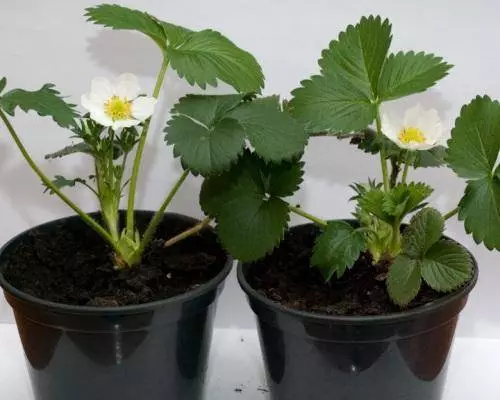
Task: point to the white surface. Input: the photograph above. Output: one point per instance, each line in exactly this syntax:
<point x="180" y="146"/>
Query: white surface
<point x="47" y="41"/>
<point x="236" y="365"/>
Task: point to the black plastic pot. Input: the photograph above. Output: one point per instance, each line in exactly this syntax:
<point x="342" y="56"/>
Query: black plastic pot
<point x="156" y="351"/>
<point x="402" y="356"/>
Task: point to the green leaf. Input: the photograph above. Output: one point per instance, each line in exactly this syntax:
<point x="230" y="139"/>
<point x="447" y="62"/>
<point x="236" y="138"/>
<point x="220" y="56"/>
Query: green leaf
<point x="434" y="157"/>
<point x="202" y="134"/>
<point x="408" y="73"/>
<point x="3" y="83"/>
<point x="372" y="202"/>
<point x="118" y="17"/>
<point x="405" y="198"/>
<point x="342" y="98"/>
<point x="61" y="182"/>
<point x="206" y="56"/>
<point x="81" y="147"/>
<point x="446" y="266"/>
<point x="175" y="34"/>
<point x="392" y="206"/>
<point x="472" y="153"/>
<point x="404" y="280"/>
<point x="274" y="135"/>
<point x="475" y="139"/>
<point x="479" y="208"/>
<point x="337" y="249"/>
<point x="46" y="102"/>
<point x="425" y="229"/>
<point x="247" y="205"/>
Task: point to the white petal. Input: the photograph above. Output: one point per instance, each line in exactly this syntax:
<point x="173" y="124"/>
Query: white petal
<point x="101" y="89"/>
<point x="143" y="107"/>
<point x="89" y="103"/>
<point x="127" y="87"/>
<point x="125" y="123"/>
<point x="101" y="118"/>
<point x="413" y="116"/>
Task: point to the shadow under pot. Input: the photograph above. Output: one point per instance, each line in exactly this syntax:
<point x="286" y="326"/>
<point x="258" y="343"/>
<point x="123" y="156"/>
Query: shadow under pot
<point x="156" y="349"/>
<point x="400" y="355"/>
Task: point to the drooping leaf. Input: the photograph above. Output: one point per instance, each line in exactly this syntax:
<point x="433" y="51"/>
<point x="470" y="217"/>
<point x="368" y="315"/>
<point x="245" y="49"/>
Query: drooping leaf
<point x="81" y="147"/>
<point x="207" y="55"/>
<point x="472" y="153"/>
<point x="203" y="135"/>
<point x="118" y="17"/>
<point x="341" y="99"/>
<point x="446" y="266"/>
<point x="46" y="102"/>
<point x="246" y="202"/>
<point x="274" y="135"/>
<point x="61" y="182"/>
<point x="425" y="229"/>
<point x="404" y="280"/>
<point x="337" y="249"/>
<point x="408" y="73"/>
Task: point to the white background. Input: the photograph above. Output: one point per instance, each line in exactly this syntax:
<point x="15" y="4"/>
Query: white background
<point x="49" y="41"/>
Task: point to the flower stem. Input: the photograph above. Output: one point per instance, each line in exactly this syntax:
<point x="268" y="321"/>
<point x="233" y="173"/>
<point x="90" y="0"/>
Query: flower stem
<point x="157" y="218"/>
<point x="138" y="156"/>
<point x="408" y="162"/>
<point x="383" y="152"/>
<point x="451" y="214"/>
<point x="47" y="182"/>
<point x="316" y="220"/>
<point x="189" y="232"/>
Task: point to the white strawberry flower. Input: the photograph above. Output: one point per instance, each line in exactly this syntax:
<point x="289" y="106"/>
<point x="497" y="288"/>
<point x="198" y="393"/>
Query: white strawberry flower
<point x="117" y="104"/>
<point x="419" y="129"/>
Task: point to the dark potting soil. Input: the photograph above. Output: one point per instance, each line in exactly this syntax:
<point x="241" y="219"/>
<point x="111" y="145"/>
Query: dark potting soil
<point x="72" y="265"/>
<point x="285" y="276"/>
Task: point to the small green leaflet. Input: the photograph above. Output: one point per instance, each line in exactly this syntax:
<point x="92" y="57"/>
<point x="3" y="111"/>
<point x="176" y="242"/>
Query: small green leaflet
<point x="337" y="249"/>
<point x="247" y="203"/>
<point x="404" y="280"/>
<point x="3" y="83"/>
<point x="209" y="132"/>
<point x="201" y="57"/>
<point x="393" y="206"/>
<point x="443" y="264"/>
<point x="472" y="153"/>
<point x="46" y="102"/>
<point x="81" y="147"/>
<point x="61" y="182"/>
<point x="408" y="73"/>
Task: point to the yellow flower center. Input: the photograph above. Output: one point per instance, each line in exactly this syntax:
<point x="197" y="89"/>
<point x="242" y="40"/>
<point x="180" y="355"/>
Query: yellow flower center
<point x="411" y="134"/>
<point x="118" y="109"/>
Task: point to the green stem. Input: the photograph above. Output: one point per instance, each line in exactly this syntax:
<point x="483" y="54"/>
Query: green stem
<point x="452" y="213"/>
<point x="188" y="232"/>
<point x="47" y="182"/>
<point x="316" y="220"/>
<point x="138" y="156"/>
<point x="408" y="162"/>
<point x="157" y="218"/>
<point x="383" y="152"/>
